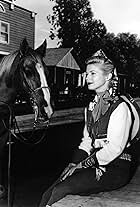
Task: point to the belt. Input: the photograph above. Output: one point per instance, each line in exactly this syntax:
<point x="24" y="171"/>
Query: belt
<point x="126" y="156"/>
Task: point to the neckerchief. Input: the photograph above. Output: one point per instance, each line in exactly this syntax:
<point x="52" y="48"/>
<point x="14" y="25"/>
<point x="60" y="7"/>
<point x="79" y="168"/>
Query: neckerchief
<point x="102" y="104"/>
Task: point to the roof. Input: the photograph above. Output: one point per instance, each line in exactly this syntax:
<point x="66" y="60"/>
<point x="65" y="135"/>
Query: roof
<point x="61" y="57"/>
<point x="16" y="4"/>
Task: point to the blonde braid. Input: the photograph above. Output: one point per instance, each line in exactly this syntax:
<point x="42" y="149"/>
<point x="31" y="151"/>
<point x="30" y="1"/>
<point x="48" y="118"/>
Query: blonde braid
<point x="114" y="87"/>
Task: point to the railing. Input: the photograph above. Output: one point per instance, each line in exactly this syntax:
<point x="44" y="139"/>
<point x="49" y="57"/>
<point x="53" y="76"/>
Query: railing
<point x="66" y="116"/>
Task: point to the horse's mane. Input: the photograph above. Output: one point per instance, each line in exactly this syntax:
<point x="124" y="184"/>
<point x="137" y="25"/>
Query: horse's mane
<point x="6" y="63"/>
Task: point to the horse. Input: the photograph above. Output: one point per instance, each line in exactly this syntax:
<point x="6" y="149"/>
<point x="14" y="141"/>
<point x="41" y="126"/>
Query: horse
<point x="25" y="72"/>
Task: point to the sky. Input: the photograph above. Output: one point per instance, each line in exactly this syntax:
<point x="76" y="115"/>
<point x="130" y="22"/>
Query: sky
<point x="117" y="15"/>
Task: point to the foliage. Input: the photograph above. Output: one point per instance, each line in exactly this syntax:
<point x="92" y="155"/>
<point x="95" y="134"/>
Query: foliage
<point x="124" y="50"/>
<point x="73" y="23"/>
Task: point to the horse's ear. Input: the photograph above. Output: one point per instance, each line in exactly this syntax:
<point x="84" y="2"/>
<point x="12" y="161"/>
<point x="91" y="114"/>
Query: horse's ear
<point x="42" y="49"/>
<point x="24" y="46"/>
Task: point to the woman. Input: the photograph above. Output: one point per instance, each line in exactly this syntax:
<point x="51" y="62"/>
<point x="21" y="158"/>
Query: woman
<point x="103" y="160"/>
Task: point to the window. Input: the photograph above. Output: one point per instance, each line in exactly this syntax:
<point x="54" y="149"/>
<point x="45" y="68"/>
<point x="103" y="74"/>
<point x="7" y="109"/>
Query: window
<point x="4" y="32"/>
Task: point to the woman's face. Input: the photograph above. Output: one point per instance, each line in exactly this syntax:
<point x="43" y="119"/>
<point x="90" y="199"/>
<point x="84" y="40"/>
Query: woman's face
<point x="96" y="78"/>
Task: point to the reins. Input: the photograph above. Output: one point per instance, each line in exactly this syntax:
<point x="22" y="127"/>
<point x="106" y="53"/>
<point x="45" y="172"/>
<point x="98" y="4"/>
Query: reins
<point x="15" y="68"/>
<point x="9" y="143"/>
<point x="32" y="92"/>
<point x="32" y="96"/>
<point x="33" y="99"/>
<point x="11" y="130"/>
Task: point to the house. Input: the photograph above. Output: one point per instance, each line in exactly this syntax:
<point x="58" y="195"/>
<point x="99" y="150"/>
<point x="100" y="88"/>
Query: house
<point x="16" y="23"/>
<point x="63" y="70"/>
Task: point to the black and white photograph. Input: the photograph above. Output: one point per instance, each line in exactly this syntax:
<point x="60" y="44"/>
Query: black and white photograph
<point x="69" y="103"/>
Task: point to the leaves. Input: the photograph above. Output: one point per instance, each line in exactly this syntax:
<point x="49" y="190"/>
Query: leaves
<point x="74" y="25"/>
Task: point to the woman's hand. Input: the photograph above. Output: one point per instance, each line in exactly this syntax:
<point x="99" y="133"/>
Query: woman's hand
<point x="69" y="170"/>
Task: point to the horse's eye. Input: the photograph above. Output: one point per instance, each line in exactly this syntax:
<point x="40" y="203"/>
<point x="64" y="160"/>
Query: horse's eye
<point x="28" y="72"/>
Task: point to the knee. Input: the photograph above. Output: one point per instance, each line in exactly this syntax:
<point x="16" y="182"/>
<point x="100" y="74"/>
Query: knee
<point x="61" y="190"/>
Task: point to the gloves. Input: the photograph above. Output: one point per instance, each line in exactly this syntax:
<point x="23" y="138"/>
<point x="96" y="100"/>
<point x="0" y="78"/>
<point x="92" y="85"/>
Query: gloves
<point x="69" y="170"/>
<point x="90" y="161"/>
<point x="79" y="155"/>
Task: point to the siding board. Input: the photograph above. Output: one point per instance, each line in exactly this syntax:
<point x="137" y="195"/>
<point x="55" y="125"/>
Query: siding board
<point x="21" y="25"/>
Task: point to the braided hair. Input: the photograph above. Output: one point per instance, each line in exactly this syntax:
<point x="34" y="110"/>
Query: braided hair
<point x="114" y="81"/>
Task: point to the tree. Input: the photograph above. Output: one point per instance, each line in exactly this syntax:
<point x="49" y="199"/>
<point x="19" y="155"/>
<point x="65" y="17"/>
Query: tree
<point x="124" y="50"/>
<point x="73" y="23"/>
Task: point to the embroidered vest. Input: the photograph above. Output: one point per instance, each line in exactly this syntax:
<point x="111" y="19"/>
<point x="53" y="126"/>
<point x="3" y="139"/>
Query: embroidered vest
<point x="98" y="130"/>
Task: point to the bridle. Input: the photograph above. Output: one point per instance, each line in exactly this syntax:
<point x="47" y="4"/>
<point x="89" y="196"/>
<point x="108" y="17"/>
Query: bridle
<point x="33" y="92"/>
<point x="34" y="105"/>
<point x="32" y="95"/>
<point x="10" y="118"/>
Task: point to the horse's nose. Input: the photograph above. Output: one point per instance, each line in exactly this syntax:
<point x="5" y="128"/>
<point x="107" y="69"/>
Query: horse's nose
<point x="48" y="111"/>
<point x="47" y="108"/>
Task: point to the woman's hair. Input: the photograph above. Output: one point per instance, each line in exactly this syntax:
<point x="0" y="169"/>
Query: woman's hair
<point x="100" y="58"/>
<point x="108" y="67"/>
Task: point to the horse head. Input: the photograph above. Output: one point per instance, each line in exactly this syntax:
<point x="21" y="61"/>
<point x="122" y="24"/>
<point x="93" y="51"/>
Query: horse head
<point x="33" y="80"/>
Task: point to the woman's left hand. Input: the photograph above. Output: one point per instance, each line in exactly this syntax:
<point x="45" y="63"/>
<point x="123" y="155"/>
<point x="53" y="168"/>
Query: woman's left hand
<point x="71" y="170"/>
